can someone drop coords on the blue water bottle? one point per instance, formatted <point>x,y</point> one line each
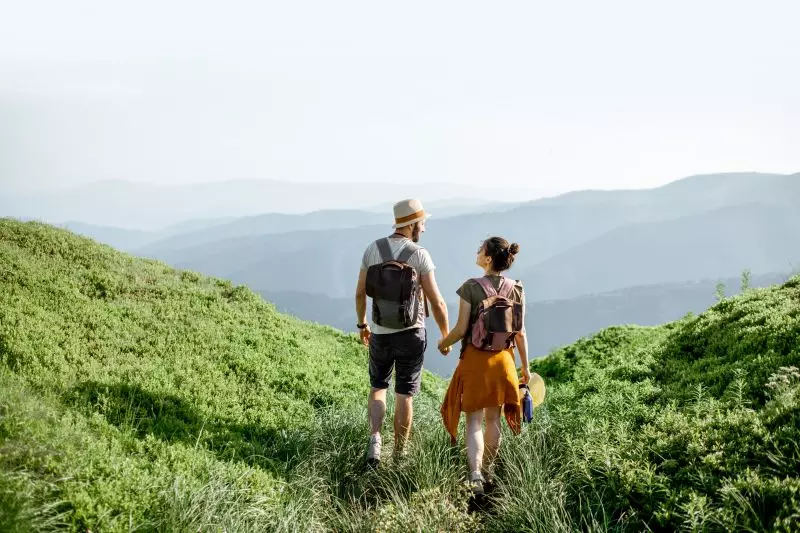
<point>527,402</point>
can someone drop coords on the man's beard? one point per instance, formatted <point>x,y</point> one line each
<point>415,233</point>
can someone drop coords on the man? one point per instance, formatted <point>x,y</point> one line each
<point>401,348</point>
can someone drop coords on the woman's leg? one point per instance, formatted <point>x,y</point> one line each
<point>474,437</point>
<point>492,436</point>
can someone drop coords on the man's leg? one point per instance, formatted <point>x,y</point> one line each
<point>376,406</point>
<point>380,372</point>
<point>403,416</point>
<point>409,354</point>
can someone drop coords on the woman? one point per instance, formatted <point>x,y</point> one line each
<point>484,382</point>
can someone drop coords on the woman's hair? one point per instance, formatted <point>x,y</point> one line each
<point>501,252</point>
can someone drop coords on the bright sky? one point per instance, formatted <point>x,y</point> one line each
<point>551,95</point>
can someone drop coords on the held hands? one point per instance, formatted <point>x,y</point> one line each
<point>443,350</point>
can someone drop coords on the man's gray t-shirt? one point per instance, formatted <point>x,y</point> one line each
<point>421,262</point>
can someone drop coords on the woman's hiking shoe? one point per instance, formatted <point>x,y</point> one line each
<point>374,450</point>
<point>476,483</point>
<point>477,501</point>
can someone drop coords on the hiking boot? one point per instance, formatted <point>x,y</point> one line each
<point>476,483</point>
<point>374,450</point>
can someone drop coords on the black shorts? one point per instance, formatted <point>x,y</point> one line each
<point>404,350</point>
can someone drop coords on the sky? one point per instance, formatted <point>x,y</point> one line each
<point>551,96</point>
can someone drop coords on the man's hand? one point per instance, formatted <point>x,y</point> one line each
<point>442,349</point>
<point>365,334</point>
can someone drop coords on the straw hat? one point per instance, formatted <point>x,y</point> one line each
<point>407,212</point>
<point>536,385</point>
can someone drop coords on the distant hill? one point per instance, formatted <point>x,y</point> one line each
<point>694,194</point>
<point>452,241</point>
<point>267,224</point>
<point>119,238</point>
<point>130,239</point>
<point>149,207</point>
<point>622,231</point>
<point>198,233</point>
<point>723,242</point>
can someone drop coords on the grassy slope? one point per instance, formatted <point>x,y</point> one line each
<point>690,425</point>
<point>134,395</point>
<point>121,373</point>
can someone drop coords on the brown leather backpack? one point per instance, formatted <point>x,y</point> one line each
<point>499,318</point>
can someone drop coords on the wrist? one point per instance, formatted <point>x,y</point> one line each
<point>362,325</point>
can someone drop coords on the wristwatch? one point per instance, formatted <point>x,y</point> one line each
<point>362,326</point>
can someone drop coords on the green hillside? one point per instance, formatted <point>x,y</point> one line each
<point>694,425</point>
<point>137,397</point>
<point>119,374</point>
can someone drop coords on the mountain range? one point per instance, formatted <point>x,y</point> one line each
<point>148,207</point>
<point>578,244</point>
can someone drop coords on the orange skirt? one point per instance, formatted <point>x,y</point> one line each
<point>482,379</point>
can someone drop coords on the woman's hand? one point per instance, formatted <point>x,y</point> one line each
<point>526,375</point>
<point>442,349</point>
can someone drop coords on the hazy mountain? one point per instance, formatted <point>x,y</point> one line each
<point>195,233</point>
<point>150,207</point>
<point>621,235</point>
<point>129,240</point>
<point>454,206</point>
<point>121,239</point>
<point>265,225</point>
<point>763,238</point>
<point>326,261</point>
<point>694,194</point>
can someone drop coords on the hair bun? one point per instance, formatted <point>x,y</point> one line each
<point>514,248</point>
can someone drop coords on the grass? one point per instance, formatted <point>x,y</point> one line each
<point>136,397</point>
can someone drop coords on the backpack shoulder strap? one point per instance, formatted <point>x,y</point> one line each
<point>506,287</point>
<point>409,250</point>
<point>486,285</point>
<point>384,249</point>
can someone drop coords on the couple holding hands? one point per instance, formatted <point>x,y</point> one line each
<point>398,275</point>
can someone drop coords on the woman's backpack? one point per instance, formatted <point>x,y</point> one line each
<point>499,318</point>
<point>393,286</point>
